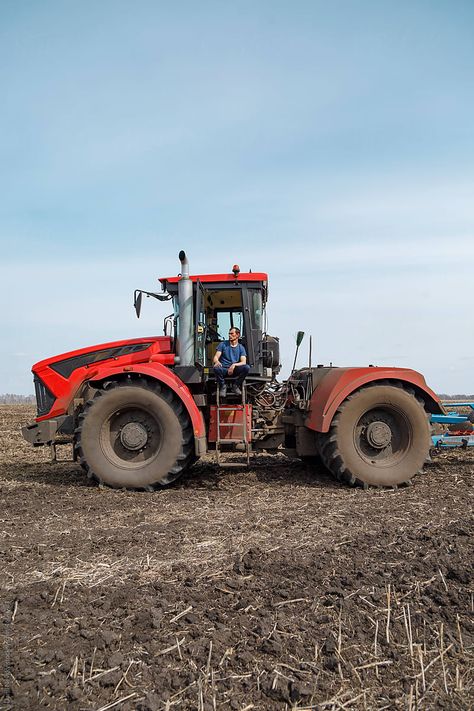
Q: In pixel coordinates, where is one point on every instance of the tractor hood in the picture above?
(141, 348)
(57, 379)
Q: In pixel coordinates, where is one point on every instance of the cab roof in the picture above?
(219, 278)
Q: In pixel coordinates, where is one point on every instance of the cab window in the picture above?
(227, 320)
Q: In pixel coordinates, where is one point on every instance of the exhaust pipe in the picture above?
(185, 346)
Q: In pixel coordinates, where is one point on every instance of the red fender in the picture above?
(339, 383)
(159, 372)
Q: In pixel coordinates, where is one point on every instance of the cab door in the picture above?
(253, 320)
(200, 333)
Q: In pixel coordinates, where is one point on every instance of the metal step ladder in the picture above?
(221, 426)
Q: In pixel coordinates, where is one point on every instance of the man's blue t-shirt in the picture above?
(230, 354)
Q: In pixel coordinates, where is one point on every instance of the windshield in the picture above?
(227, 320)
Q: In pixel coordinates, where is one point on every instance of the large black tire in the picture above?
(134, 435)
(380, 436)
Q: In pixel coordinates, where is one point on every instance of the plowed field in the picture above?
(273, 588)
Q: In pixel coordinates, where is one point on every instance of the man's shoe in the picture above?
(237, 390)
(222, 391)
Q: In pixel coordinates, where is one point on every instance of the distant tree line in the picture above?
(11, 399)
(466, 398)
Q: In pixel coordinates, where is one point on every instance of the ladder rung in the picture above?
(223, 408)
(231, 465)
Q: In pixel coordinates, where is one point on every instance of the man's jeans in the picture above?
(240, 373)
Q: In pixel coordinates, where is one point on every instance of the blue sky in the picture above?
(329, 144)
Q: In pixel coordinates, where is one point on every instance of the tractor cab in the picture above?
(206, 306)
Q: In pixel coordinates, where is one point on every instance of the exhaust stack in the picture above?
(185, 347)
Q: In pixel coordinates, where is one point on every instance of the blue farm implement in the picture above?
(461, 431)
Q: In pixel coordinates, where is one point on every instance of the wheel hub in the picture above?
(379, 435)
(133, 436)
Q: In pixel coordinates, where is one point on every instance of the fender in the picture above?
(339, 383)
(162, 374)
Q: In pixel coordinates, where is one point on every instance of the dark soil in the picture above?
(273, 588)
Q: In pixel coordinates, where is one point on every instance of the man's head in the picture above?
(234, 335)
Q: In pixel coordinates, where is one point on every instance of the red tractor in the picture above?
(140, 412)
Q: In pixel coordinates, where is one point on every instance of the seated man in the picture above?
(231, 359)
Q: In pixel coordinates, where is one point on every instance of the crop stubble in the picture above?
(273, 588)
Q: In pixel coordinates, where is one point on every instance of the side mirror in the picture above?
(137, 302)
(138, 295)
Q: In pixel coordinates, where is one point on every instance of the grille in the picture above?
(44, 397)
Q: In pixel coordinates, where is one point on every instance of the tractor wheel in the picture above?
(134, 435)
(380, 436)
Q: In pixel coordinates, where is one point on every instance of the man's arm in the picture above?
(242, 361)
(216, 361)
(243, 356)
